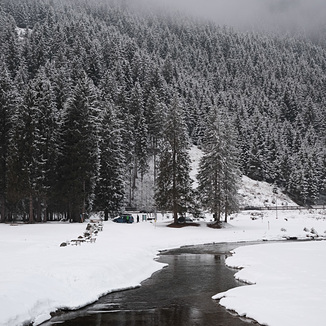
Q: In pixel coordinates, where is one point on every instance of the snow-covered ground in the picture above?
(38, 276)
(289, 283)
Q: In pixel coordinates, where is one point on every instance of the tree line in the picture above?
(89, 91)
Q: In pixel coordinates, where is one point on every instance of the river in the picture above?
(178, 295)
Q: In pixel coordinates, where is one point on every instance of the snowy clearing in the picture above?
(38, 276)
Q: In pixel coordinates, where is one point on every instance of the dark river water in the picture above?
(178, 295)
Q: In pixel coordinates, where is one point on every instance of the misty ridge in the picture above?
(269, 15)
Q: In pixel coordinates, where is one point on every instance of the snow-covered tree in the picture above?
(34, 151)
(110, 187)
(173, 184)
(218, 173)
(9, 101)
(79, 153)
(47, 129)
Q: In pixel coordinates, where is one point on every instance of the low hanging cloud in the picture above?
(304, 15)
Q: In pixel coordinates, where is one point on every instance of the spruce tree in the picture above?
(218, 173)
(136, 109)
(47, 128)
(9, 100)
(34, 151)
(173, 184)
(141, 150)
(25, 162)
(110, 187)
(78, 162)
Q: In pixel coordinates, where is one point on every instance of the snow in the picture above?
(22, 32)
(262, 194)
(195, 155)
(289, 283)
(38, 276)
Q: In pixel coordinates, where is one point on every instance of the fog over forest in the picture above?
(292, 15)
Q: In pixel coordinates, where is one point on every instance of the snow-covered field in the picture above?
(38, 276)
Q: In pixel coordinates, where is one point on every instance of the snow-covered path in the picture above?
(38, 276)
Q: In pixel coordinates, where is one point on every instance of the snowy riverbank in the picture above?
(38, 276)
(289, 283)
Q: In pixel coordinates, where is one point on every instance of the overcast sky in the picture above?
(303, 14)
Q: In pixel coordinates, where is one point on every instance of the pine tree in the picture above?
(9, 44)
(218, 173)
(33, 155)
(155, 116)
(141, 150)
(173, 187)
(136, 109)
(78, 162)
(47, 128)
(110, 187)
(9, 100)
(25, 162)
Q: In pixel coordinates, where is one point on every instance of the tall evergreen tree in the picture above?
(9, 100)
(25, 162)
(110, 187)
(173, 185)
(141, 150)
(136, 109)
(155, 111)
(47, 128)
(79, 149)
(34, 152)
(218, 173)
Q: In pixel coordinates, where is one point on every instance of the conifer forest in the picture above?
(94, 94)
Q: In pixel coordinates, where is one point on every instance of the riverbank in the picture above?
(38, 276)
(289, 283)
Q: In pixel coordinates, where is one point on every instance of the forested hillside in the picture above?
(85, 88)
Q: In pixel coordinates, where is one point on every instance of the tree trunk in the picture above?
(45, 213)
(31, 218)
(142, 191)
(39, 212)
(154, 174)
(130, 185)
(106, 215)
(3, 210)
(174, 183)
(82, 217)
(216, 199)
(219, 202)
(226, 208)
